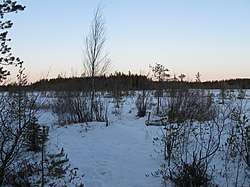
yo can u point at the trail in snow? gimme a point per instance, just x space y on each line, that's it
118 155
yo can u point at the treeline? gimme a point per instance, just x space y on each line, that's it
124 82
224 84
117 81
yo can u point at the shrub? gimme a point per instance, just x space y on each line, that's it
71 107
142 103
190 105
75 107
191 175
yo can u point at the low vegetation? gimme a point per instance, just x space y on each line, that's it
204 137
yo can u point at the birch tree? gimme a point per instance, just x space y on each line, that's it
96 61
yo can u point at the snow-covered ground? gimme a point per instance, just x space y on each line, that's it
120 155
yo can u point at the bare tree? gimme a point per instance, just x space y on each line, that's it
96 62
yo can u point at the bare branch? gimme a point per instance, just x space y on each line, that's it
96 62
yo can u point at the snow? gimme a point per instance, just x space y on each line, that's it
119 155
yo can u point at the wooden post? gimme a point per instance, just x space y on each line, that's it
149 113
43 142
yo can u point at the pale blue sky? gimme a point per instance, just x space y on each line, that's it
186 36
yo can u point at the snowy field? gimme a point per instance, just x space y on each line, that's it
119 155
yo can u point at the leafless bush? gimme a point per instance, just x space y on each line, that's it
71 107
190 139
142 102
188 149
169 141
100 110
191 175
190 105
237 145
75 107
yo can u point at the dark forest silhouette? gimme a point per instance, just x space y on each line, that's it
126 82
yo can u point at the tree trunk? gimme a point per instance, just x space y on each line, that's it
158 102
92 99
2 173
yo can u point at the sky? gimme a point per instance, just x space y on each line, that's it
186 36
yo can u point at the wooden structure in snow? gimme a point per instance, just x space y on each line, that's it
156 122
